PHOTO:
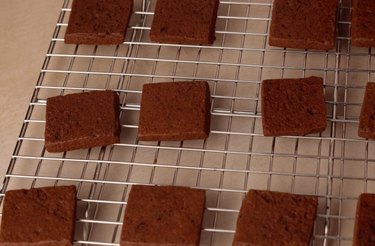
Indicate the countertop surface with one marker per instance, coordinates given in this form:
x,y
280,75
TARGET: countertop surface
x,y
26,29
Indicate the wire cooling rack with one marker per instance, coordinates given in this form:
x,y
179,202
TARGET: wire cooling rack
x,y
335,165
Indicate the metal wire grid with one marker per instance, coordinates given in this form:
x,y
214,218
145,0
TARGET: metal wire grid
x,y
335,165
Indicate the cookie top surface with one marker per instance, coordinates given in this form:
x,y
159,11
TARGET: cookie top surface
x,y
82,120
293,106
303,24
162,215
175,111
275,218
23,210
363,23
366,127
364,231
98,22
184,21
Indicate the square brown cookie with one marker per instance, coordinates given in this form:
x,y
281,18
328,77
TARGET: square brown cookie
x,y
163,215
366,127
274,218
98,22
41,216
363,23
293,106
82,120
303,24
364,230
184,21
174,111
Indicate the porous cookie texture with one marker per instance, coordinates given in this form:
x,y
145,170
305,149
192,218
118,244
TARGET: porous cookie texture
x,y
184,21
39,216
175,111
163,215
98,21
275,219
303,24
293,106
82,120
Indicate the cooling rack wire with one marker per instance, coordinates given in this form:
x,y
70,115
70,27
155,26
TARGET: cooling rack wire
x,y
335,165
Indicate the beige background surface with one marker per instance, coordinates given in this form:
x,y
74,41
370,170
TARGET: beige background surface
x,y
26,28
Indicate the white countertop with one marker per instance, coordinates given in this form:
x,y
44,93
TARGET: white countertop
x,y
26,29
